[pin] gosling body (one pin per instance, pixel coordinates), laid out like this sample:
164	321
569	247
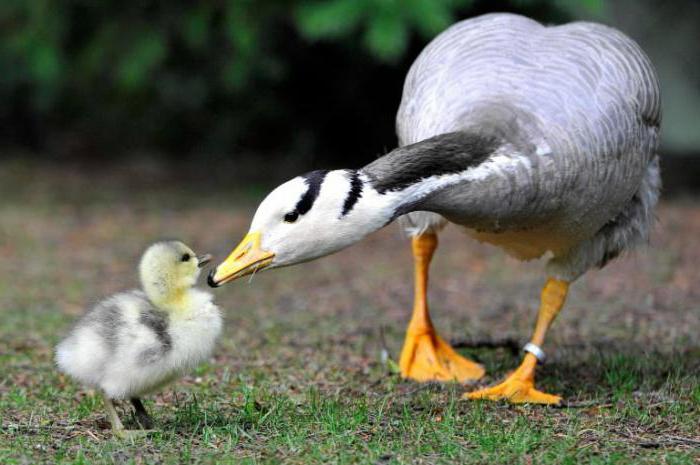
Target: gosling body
129	347
135	342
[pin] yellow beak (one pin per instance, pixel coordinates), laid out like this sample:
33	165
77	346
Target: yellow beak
245	259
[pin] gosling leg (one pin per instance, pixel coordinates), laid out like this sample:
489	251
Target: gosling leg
142	416
112	415
117	426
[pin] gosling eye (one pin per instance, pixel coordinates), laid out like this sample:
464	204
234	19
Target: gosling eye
185	257
291	217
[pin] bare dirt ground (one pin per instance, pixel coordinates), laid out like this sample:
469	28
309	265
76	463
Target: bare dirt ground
298	375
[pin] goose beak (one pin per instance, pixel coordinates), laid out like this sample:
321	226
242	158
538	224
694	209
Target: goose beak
245	259
203	260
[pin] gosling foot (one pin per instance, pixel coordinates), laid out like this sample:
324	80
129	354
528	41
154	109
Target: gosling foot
131	433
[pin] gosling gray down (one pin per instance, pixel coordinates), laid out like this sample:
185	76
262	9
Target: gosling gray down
135	342
540	140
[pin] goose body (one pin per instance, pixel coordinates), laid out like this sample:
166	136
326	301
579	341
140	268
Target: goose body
133	343
579	107
539	140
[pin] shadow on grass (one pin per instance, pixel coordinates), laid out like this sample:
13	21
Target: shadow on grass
602	370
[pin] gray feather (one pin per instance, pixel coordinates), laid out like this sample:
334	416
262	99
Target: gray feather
157	321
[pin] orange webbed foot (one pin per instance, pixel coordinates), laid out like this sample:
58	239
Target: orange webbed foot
515	391
427	357
517	388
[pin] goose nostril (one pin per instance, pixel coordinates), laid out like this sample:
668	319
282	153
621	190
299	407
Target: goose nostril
244	251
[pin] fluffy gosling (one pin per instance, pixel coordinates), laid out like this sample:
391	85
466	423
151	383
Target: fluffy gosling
135	342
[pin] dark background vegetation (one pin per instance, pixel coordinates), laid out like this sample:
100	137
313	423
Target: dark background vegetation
292	83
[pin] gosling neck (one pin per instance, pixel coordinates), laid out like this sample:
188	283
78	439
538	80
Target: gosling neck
171	299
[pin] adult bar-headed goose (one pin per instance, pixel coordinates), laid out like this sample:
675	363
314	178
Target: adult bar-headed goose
539	140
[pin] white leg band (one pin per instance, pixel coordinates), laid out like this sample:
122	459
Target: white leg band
535	350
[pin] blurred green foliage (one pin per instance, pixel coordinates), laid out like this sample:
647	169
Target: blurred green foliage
386	24
142	69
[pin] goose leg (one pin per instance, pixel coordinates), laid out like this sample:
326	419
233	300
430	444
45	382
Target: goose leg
425	355
519	387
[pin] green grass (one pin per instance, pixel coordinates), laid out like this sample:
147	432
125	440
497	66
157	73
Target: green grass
298	376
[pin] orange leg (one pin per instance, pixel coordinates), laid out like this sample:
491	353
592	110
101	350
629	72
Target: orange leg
425	355
519	387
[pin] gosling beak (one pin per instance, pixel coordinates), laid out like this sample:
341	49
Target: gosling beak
203	260
247	258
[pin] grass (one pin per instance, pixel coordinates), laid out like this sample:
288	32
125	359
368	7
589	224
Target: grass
298	375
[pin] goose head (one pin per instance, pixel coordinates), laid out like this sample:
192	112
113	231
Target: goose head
307	217
168	269
322	212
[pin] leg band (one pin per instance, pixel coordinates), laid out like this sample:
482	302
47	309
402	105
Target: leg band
535	350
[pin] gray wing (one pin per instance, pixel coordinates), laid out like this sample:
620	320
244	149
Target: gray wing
158	322
583	80
109	322
106	319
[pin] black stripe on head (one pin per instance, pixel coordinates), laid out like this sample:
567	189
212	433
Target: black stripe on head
354	193
314	180
447	153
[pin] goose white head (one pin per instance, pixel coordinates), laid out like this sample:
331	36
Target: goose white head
305	218
167	269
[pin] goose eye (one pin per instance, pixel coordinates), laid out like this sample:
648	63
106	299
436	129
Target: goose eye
291	217
185	257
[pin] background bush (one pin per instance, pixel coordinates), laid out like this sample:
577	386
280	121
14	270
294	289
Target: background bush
316	80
